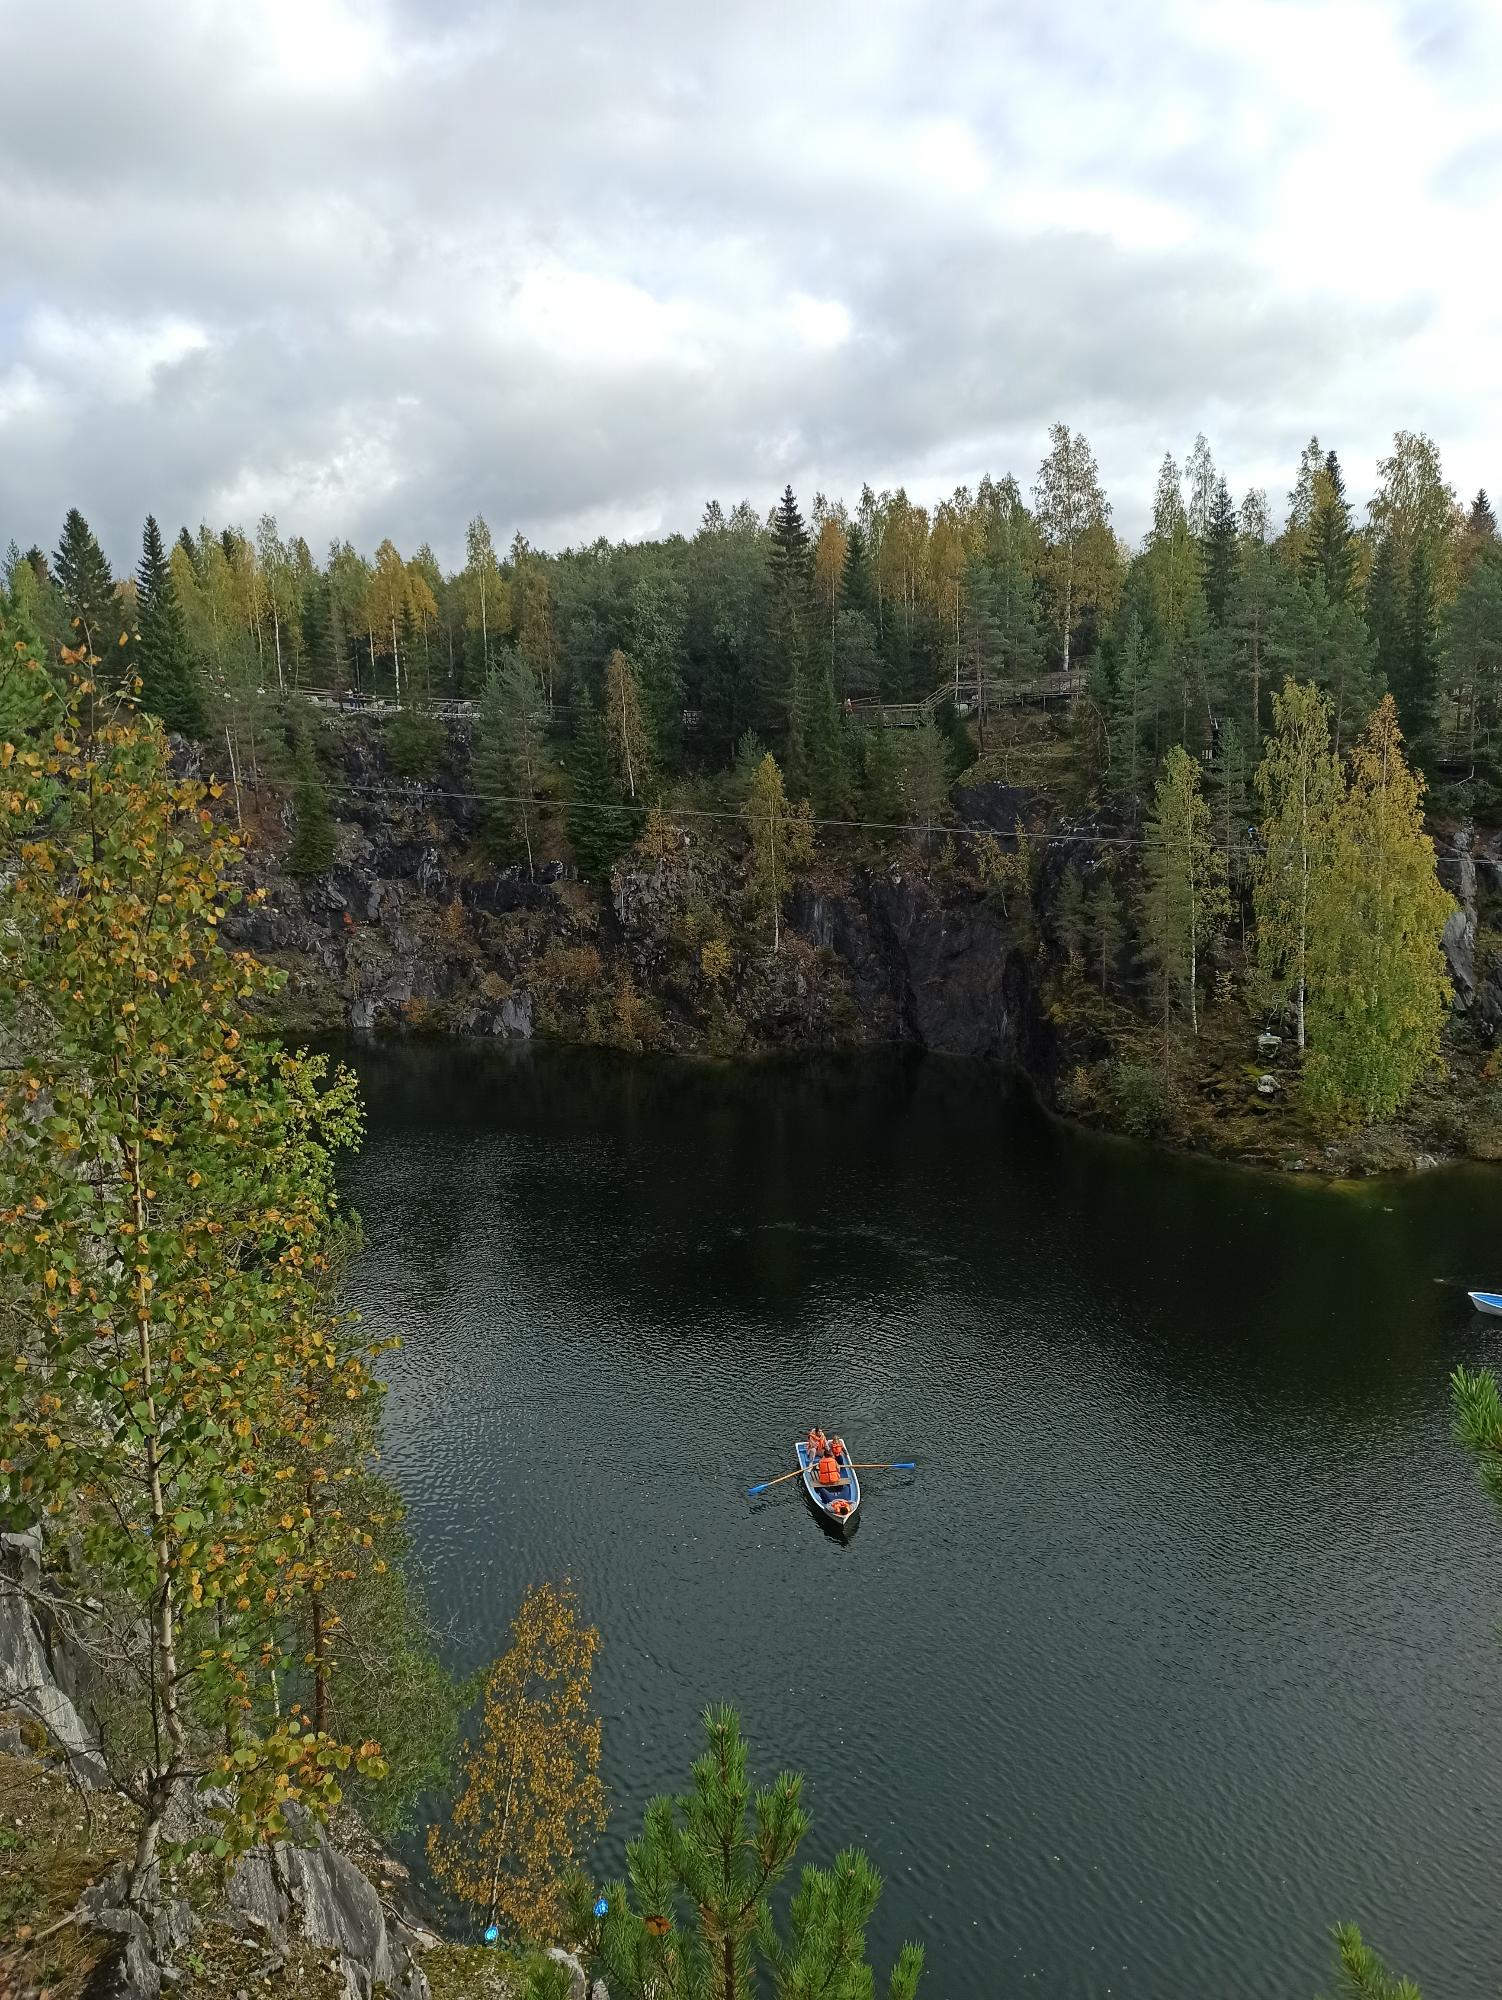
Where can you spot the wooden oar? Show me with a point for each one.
(752, 1491)
(896, 1465)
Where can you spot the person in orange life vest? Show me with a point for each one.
(818, 1444)
(828, 1471)
(837, 1446)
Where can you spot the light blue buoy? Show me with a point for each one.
(601, 1907)
(492, 1933)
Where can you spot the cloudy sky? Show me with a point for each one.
(373, 265)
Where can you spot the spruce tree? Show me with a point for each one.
(1219, 555)
(789, 613)
(881, 800)
(1473, 648)
(600, 823)
(188, 546)
(856, 590)
(824, 748)
(1384, 615)
(1481, 522)
(1417, 688)
(312, 848)
(1330, 548)
(508, 759)
(163, 658)
(88, 593)
(1104, 929)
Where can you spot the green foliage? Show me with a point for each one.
(1301, 789)
(415, 740)
(508, 759)
(1105, 930)
(695, 1918)
(312, 848)
(162, 657)
(1363, 1976)
(601, 825)
(1141, 1098)
(922, 774)
(781, 840)
(178, 1391)
(1069, 915)
(93, 611)
(1184, 902)
(390, 1686)
(1378, 989)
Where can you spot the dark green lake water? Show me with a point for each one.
(1182, 1643)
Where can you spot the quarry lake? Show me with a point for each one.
(1180, 1645)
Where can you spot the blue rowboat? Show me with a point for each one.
(836, 1506)
(1486, 1302)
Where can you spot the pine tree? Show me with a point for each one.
(312, 848)
(1218, 553)
(1300, 788)
(163, 659)
(600, 824)
(1378, 990)
(1363, 1976)
(695, 1916)
(1184, 905)
(1481, 522)
(88, 593)
(188, 546)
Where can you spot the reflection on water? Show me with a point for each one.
(1178, 1647)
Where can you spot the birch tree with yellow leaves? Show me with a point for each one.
(167, 1230)
(532, 1792)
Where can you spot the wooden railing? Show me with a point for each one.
(1057, 686)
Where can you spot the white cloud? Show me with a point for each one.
(371, 266)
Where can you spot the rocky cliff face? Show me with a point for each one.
(411, 927)
(295, 1907)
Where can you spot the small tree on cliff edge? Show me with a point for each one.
(782, 838)
(694, 1918)
(532, 1786)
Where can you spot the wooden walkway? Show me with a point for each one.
(997, 694)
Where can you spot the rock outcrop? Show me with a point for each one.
(411, 927)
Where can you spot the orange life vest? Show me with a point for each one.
(829, 1471)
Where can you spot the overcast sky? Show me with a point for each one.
(374, 267)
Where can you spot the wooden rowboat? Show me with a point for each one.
(836, 1506)
(1486, 1302)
